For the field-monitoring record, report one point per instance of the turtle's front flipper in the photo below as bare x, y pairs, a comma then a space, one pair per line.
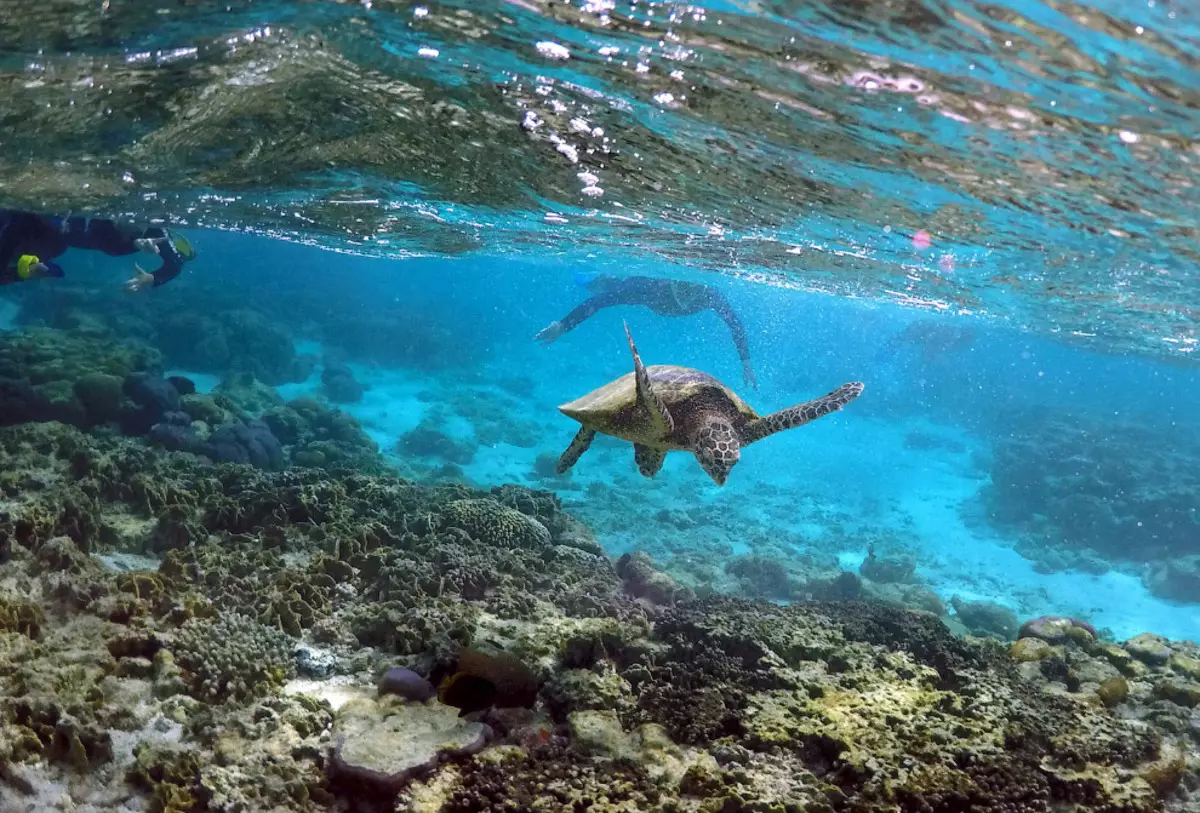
579, 445
648, 400
649, 461
801, 413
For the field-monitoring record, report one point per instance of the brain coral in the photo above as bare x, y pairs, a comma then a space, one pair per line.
488, 521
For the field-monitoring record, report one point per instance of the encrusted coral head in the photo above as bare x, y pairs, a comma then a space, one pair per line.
480, 680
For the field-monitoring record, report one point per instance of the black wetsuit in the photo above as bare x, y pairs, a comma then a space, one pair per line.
48, 237
666, 298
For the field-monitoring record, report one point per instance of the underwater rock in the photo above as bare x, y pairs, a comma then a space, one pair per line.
1175, 579
1187, 666
986, 618
233, 340
1056, 629
387, 742
182, 384
21, 616
845, 586
320, 437
1149, 648
406, 684
1180, 692
151, 392
248, 441
600, 687
480, 680
1088, 483
598, 733
1113, 691
56, 375
204, 408
101, 396
340, 385
247, 393
153, 397
174, 436
1031, 649
315, 663
761, 576
897, 569
643, 580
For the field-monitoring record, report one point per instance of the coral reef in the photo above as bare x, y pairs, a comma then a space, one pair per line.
241, 441
1085, 491
384, 743
50, 375
225, 338
232, 656
427, 440
605, 686
319, 437
340, 385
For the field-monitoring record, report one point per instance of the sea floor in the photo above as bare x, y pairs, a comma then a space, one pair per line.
832, 488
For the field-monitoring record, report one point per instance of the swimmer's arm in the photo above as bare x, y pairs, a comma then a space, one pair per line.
590, 306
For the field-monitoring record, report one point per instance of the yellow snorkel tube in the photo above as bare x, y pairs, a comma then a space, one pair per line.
182, 246
25, 265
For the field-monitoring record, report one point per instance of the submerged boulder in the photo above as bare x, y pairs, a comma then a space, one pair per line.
340, 385
387, 742
248, 441
986, 618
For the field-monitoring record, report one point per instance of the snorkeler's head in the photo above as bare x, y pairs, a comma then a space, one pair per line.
596, 283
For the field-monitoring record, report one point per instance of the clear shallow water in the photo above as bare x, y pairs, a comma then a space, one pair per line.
787, 153
907, 467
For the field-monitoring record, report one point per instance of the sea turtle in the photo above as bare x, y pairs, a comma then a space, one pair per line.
665, 407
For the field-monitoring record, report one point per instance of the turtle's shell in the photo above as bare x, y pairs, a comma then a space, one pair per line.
687, 393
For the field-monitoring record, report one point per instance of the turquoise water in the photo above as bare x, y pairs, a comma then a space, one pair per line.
907, 467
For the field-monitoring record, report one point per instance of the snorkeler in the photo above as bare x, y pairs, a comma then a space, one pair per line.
663, 296
29, 241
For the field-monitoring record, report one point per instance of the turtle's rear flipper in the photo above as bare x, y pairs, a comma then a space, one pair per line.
801, 413
579, 445
648, 400
649, 461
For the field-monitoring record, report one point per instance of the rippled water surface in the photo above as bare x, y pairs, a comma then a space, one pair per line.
1048, 149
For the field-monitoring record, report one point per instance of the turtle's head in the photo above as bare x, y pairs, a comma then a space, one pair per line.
717, 447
